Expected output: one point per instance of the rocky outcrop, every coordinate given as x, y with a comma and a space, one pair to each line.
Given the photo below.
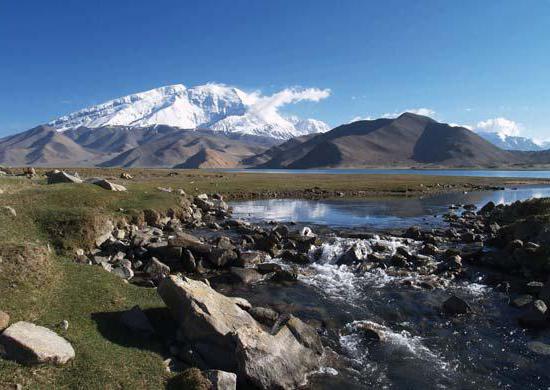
228, 338
32, 344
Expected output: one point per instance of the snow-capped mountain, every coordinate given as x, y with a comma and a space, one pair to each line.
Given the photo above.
211, 106
514, 142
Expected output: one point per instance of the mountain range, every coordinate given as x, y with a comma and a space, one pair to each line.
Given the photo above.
212, 106
215, 126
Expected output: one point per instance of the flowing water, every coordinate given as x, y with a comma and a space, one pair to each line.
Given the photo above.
423, 348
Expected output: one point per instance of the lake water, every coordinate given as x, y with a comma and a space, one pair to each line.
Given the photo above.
385, 213
539, 174
423, 348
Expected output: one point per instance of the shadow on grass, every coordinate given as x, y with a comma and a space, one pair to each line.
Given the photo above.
111, 327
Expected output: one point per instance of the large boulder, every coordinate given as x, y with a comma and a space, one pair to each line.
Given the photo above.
32, 344
230, 339
56, 177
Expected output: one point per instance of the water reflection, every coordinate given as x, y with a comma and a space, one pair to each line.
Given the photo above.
376, 213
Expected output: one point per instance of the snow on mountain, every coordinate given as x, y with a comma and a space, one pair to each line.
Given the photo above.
210, 106
509, 142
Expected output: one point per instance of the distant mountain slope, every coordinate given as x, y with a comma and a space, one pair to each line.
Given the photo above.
44, 146
189, 149
211, 106
155, 146
407, 140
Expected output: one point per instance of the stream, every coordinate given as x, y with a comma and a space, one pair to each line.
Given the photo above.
422, 347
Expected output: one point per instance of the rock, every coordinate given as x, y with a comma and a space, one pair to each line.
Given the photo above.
56, 177
123, 272
157, 270
413, 232
430, 249
273, 361
544, 293
105, 184
264, 315
188, 261
522, 300
307, 232
266, 268
489, 207
228, 338
372, 331
8, 210
4, 320
250, 258
64, 325
205, 318
246, 275
137, 322
353, 255
221, 257
294, 257
284, 275
535, 316
126, 176
221, 380
513, 245
539, 348
454, 262
190, 242
32, 344
242, 303
404, 251
456, 306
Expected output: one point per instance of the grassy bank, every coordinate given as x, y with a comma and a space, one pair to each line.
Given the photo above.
39, 281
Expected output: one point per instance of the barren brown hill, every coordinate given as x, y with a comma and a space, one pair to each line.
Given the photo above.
410, 139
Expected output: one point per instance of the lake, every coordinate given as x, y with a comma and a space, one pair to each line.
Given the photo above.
384, 213
539, 174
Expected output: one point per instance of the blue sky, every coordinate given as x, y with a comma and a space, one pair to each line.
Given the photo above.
468, 61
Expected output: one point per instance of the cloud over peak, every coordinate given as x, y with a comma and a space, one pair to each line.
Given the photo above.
501, 126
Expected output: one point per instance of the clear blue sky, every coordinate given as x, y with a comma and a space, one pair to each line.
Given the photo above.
468, 61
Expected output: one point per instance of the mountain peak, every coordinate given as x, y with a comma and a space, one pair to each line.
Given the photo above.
209, 106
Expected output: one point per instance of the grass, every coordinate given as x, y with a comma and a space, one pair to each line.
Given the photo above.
39, 282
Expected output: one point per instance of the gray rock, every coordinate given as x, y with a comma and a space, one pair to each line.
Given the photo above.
123, 272
221, 380
56, 177
221, 257
157, 270
107, 185
32, 344
264, 315
228, 338
250, 258
246, 275
455, 305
